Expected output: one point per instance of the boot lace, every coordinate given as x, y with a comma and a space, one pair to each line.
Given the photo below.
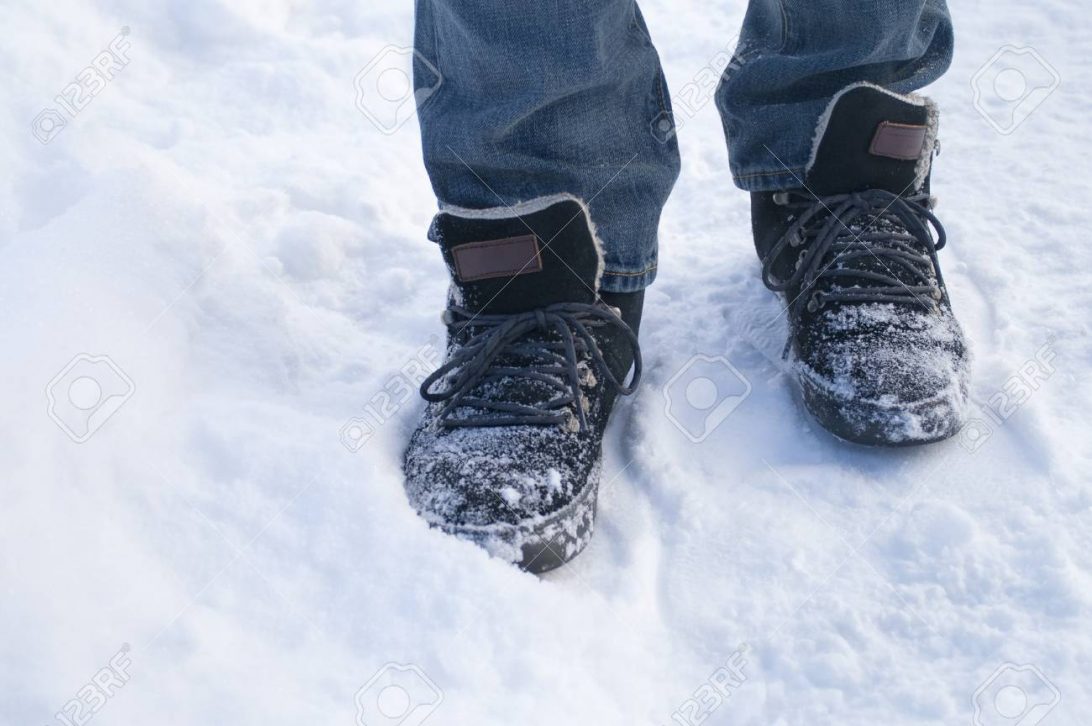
506, 347
892, 260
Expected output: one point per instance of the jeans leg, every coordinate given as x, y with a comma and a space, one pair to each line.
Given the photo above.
538, 99
795, 55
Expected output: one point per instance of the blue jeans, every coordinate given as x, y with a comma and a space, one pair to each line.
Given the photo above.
568, 96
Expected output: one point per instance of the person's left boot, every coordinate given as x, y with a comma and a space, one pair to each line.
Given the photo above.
879, 355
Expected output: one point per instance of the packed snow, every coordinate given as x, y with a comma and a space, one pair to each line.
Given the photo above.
216, 299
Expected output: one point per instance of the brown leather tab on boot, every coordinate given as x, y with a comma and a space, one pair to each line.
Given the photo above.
497, 258
898, 141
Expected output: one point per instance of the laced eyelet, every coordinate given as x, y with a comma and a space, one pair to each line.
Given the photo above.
472, 367
872, 222
447, 317
800, 259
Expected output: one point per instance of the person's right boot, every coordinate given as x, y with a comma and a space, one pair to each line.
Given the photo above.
879, 356
507, 454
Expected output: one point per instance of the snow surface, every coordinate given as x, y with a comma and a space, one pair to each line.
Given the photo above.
225, 226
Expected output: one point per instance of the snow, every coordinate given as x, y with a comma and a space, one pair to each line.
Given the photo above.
225, 226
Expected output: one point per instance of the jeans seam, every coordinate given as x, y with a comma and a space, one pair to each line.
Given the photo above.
434, 34
785, 34
661, 91
616, 273
661, 82
782, 45
778, 172
634, 25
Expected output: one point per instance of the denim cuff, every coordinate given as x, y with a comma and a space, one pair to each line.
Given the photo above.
627, 281
773, 180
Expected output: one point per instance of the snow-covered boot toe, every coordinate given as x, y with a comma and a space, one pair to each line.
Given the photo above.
879, 355
507, 454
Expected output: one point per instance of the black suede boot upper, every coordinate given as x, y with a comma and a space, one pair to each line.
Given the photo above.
880, 356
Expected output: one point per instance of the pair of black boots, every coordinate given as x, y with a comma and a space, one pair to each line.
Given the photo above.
508, 452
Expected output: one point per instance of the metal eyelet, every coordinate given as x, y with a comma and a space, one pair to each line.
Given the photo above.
781, 198
447, 317
814, 303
